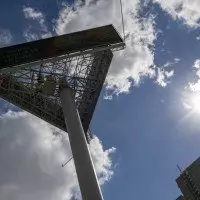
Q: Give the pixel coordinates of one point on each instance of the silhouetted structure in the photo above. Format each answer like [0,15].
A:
[181,197]
[59,79]
[189,182]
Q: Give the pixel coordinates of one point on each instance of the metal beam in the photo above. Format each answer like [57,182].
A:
[87,80]
[87,178]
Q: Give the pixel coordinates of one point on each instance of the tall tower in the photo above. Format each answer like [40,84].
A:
[59,79]
[189,182]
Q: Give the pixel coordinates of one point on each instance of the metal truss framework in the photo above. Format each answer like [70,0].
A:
[85,73]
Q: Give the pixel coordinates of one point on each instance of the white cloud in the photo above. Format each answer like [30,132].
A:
[197,64]
[169,63]
[102,161]
[108,96]
[5,37]
[176,60]
[163,76]
[31,13]
[195,86]
[186,10]
[169,74]
[29,35]
[165,73]
[187,106]
[31,157]
[35,32]
[138,57]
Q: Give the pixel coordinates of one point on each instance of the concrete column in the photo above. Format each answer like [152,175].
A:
[87,178]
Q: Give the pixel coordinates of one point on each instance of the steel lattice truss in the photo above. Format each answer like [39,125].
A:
[85,74]
[32,73]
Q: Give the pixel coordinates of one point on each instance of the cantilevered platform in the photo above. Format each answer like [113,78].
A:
[31,73]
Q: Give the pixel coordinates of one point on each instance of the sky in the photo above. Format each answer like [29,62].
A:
[147,117]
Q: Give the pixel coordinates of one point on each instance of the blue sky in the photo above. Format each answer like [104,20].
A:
[151,119]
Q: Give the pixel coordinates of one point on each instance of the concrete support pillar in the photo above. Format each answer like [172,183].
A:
[87,178]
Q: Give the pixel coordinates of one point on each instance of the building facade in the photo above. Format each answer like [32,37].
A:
[181,197]
[189,182]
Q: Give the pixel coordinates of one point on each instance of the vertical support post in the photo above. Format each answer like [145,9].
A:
[87,178]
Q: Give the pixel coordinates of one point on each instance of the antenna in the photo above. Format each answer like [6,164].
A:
[179,168]
[63,165]
[57,4]
[122,19]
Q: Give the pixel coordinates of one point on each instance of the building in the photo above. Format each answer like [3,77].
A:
[181,197]
[189,182]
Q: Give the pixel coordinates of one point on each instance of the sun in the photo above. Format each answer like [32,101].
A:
[195,103]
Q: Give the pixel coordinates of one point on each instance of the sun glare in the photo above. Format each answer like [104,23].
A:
[195,103]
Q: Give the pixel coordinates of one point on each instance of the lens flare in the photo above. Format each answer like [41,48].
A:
[195,103]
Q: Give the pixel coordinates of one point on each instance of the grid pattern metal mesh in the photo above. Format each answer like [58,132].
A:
[85,74]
